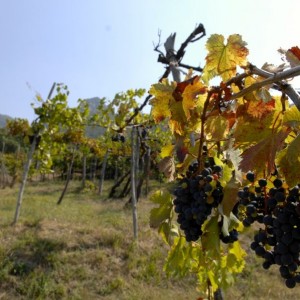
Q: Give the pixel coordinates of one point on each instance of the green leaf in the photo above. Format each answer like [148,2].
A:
[210,238]
[163,212]
[175,263]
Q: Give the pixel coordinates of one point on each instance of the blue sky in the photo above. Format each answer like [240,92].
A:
[101,47]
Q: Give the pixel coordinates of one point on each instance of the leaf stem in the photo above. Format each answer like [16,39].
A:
[202,137]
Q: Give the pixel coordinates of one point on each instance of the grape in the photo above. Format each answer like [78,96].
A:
[262,182]
[277,183]
[278,210]
[217,169]
[250,176]
[290,283]
[196,195]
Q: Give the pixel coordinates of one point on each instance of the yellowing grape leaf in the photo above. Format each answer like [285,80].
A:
[178,120]
[292,117]
[293,150]
[249,131]
[259,109]
[167,151]
[230,196]
[217,127]
[261,156]
[190,96]
[235,258]
[161,197]
[162,93]
[290,169]
[223,59]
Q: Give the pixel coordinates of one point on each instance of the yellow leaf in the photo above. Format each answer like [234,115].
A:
[223,59]
[292,117]
[288,162]
[250,131]
[218,127]
[162,93]
[167,151]
[190,96]
[293,150]
[237,253]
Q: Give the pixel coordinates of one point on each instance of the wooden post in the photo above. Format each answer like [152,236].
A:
[24,179]
[133,181]
[102,175]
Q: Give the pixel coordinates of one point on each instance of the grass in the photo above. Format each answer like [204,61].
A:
[84,249]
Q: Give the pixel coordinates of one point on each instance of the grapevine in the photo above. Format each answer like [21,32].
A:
[233,163]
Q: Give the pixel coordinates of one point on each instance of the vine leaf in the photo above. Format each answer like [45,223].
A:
[259,109]
[292,117]
[210,238]
[160,214]
[234,155]
[288,161]
[291,55]
[190,95]
[261,156]
[178,262]
[218,127]
[223,59]
[167,151]
[230,196]
[235,258]
[162,93]
[249,131]
[293,154]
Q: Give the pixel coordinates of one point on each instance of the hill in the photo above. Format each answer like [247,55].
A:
[3,119]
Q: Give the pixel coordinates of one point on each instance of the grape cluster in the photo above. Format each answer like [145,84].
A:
[278,209]
[196,196]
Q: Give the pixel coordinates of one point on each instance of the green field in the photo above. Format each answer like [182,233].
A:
[84,249]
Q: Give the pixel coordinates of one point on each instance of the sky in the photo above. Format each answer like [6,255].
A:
[101,47]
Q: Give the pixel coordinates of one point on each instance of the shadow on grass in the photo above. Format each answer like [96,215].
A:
[34,253]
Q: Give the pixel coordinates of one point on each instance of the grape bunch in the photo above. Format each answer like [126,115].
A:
[197,194]
[278,210]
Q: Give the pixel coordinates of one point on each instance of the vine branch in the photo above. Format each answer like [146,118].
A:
[271,78]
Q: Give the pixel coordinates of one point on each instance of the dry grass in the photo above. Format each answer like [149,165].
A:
[84,249]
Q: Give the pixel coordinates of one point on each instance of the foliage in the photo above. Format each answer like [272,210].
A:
[233,125]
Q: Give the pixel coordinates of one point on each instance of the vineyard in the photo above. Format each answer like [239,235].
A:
[216,162]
